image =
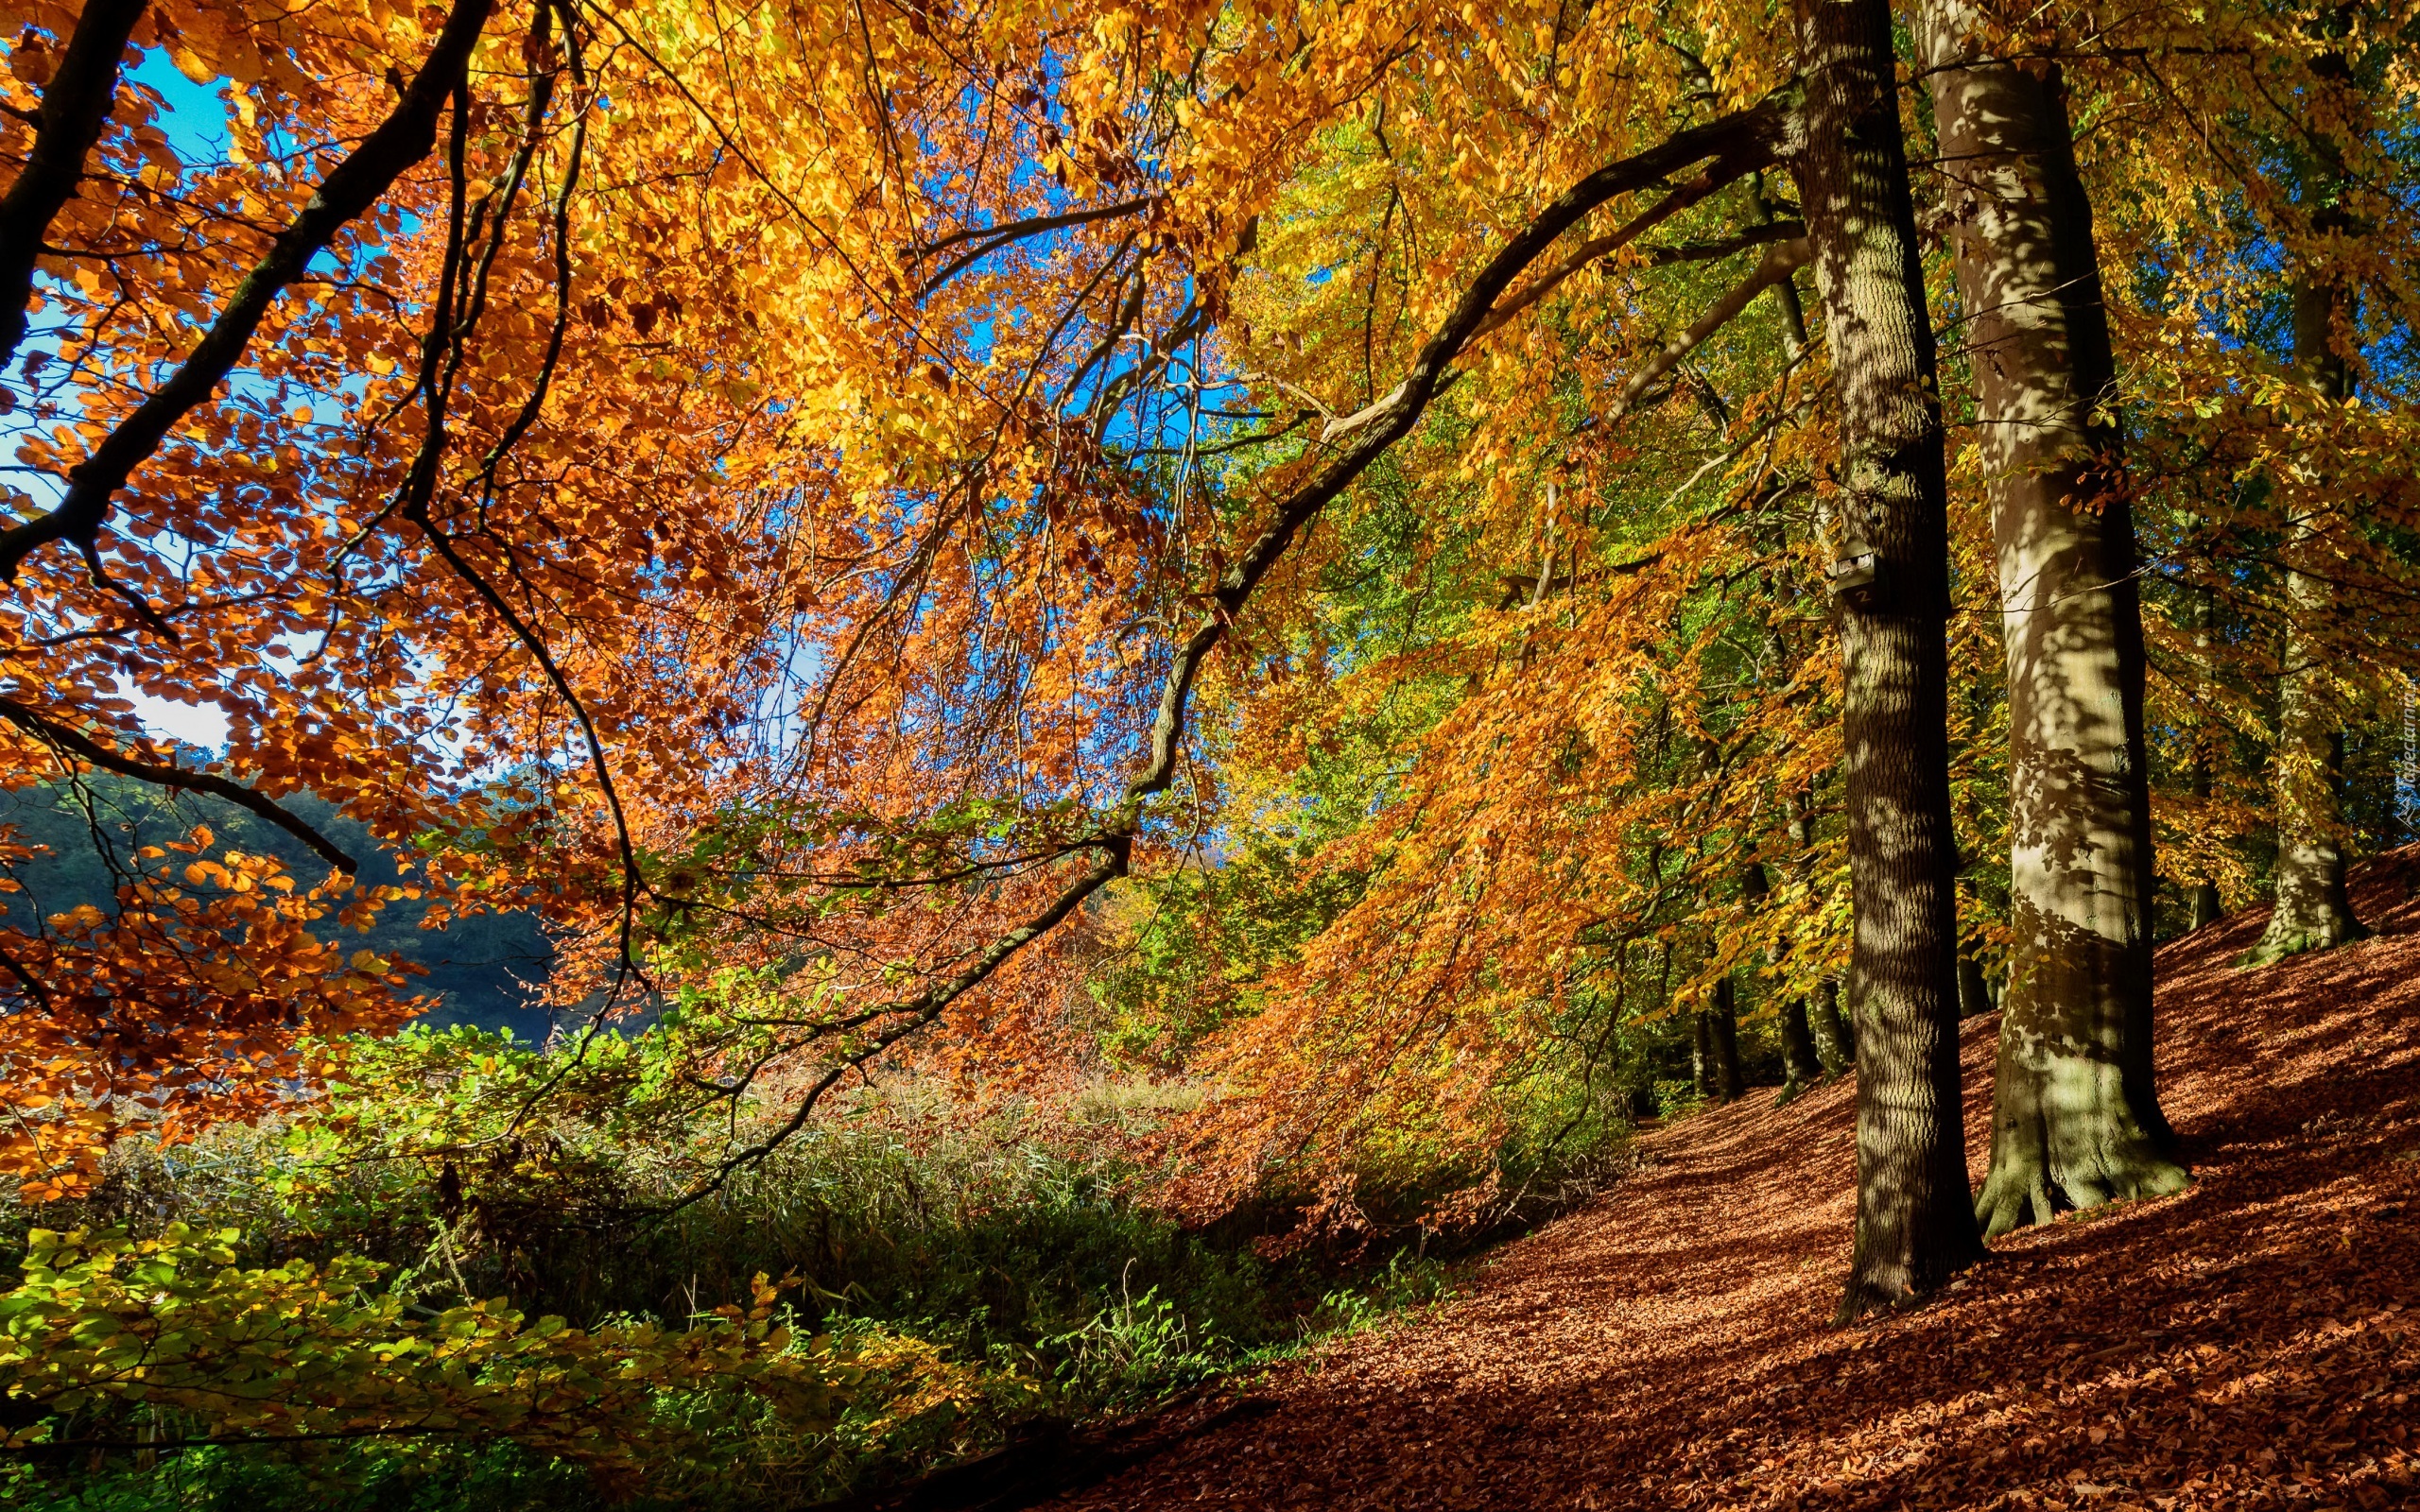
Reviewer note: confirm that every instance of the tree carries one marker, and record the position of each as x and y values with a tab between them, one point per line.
2075	1120
1914	1227
2312	910
1717	1030
2254	485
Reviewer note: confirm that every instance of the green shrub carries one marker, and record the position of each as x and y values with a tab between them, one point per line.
979	1265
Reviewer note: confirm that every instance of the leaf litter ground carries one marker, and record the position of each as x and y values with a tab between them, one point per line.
2253	1342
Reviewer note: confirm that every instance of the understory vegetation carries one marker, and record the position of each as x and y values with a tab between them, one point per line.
945	1271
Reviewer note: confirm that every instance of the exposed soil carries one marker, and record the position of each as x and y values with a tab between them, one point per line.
2251	1342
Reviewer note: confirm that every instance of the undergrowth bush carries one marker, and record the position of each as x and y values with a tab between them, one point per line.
918	1275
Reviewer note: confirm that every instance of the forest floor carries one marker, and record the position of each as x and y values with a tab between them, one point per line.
2253	1342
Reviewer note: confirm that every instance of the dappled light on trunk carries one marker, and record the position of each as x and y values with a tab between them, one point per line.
2078	1121
1913	1228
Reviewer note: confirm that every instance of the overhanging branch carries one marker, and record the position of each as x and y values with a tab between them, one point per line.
75	105
352	187
1748	139
69	741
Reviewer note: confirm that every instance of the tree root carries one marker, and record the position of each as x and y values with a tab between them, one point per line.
2275	947
2022	1193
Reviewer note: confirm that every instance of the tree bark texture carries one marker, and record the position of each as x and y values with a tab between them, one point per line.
1835	1043
1722	1037
2075	1118
1916	1228
2314	911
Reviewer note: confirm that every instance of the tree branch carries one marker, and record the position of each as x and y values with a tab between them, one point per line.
352	187
75	105
989	239
1779	262
1742	159
1747	138
86	750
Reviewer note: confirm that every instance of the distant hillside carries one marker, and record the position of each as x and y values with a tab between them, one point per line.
485	968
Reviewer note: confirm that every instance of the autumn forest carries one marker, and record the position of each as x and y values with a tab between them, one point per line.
995	753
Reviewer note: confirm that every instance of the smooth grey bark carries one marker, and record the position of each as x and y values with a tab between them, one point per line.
2075	1116
1914	1227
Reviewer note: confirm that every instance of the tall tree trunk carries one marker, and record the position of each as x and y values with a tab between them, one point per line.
1723	1027
2202	905
1701	1053
2314	911
1800	1067
1974	992
1835	1042
1914	1227
1800	1070
2201	902
2075	1118
1828	1042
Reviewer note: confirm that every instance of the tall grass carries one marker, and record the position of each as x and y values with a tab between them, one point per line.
1010	1235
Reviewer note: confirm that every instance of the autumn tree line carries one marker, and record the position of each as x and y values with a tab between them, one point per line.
863	517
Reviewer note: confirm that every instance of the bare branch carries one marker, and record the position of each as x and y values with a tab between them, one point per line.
989	239
1724	169
1779	262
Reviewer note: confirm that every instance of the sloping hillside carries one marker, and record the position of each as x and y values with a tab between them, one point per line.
2253	1342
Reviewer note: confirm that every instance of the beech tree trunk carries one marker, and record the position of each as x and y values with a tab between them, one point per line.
1800	1070
2075	1118
1800	1066
1914	1228
2202	903
1722	1037
1974	993
1701	1053
1835	1043
2314	911
1828	1039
